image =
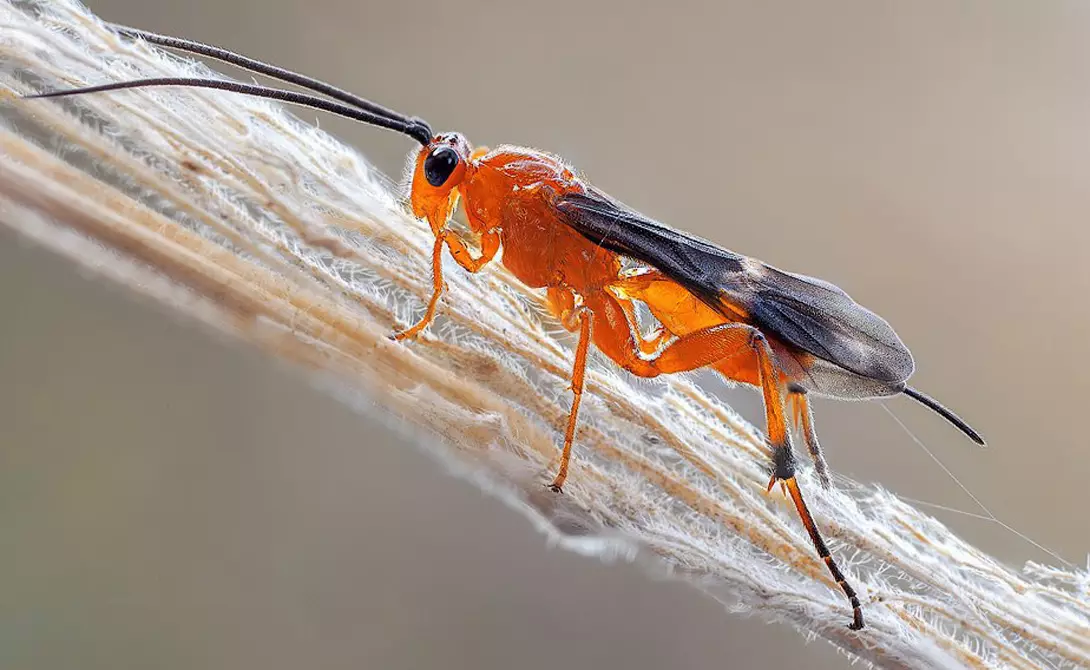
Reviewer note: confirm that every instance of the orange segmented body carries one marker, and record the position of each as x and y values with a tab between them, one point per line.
788	335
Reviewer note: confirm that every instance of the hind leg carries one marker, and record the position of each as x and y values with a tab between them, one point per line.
804	420
708	346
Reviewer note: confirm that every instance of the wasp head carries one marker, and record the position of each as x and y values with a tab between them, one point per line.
441	167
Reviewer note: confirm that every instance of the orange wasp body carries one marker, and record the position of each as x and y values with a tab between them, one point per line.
510	198
785	334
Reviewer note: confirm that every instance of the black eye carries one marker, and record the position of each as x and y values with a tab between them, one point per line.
439	164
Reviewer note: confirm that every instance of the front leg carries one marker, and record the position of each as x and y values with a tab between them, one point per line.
490	245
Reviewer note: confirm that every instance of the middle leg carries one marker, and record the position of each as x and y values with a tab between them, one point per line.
578	371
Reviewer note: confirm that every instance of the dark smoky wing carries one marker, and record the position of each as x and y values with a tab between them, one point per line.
823	320
696	264
810	314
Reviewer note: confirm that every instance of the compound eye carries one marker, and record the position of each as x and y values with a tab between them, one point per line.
439	165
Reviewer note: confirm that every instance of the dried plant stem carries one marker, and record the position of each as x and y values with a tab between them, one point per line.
229	211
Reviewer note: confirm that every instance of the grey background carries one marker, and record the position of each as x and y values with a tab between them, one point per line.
170	500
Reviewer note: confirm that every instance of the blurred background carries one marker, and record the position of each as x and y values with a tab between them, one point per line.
172	500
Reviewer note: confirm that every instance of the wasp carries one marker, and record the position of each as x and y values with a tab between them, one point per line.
789	335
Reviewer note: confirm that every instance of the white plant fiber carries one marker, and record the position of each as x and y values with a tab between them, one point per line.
228	209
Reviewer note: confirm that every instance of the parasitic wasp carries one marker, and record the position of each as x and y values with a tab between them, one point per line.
786	334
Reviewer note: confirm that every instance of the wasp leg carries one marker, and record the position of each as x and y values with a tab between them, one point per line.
561	301
714	345
578	371
437	290
804	419
823	551
647	346
490	244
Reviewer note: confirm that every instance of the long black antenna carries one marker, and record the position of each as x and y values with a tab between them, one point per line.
260	67
938	408
357	108
419	131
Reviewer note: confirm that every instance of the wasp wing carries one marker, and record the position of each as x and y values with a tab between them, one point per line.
809	314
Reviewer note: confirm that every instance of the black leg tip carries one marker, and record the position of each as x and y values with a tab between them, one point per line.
554	488
783	461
